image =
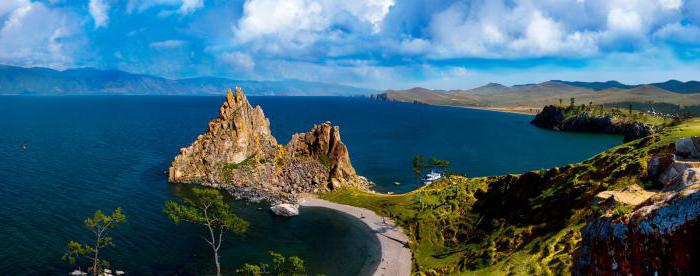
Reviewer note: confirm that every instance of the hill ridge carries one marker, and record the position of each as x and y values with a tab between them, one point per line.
16	80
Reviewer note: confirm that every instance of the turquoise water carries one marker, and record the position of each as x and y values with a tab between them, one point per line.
88	153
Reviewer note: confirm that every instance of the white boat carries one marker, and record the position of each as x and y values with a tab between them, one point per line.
431	177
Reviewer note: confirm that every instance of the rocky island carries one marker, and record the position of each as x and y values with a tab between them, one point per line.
239	154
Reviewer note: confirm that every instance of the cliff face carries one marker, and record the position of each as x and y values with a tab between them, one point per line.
238	153
659	236
554	118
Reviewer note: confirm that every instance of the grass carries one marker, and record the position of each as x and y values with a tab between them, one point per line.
246	164
617	114
514	224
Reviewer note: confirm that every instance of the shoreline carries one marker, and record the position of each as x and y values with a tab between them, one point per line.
523	111
396	258
504	109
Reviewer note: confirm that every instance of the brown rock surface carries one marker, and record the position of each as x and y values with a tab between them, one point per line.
238	153
660	234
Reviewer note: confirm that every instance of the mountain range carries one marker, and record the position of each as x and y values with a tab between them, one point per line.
671	93
89	81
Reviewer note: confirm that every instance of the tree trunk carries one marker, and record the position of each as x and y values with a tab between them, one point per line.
216	262
94	263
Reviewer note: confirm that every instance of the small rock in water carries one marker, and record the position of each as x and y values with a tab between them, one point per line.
285	209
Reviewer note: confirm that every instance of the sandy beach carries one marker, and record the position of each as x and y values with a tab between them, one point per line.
395	255
525	110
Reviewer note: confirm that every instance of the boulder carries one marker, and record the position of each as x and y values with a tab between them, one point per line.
285	209
657	164
632	195
688	147
690	177
679	174
634	131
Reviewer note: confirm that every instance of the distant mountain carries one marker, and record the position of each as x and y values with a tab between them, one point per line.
689	87
90	81
673	93
679	86
596	85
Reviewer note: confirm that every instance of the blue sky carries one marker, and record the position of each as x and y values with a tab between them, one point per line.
379	44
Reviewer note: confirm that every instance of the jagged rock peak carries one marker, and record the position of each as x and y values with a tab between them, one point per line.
238	153
239	133
323	142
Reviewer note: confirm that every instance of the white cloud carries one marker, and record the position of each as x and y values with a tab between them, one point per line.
547	28
239	61
34	35
189	6
183	7
677	32
99	10
671	4
628	21
7	6
277	27
167	44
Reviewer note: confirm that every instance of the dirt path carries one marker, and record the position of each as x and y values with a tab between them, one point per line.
396	256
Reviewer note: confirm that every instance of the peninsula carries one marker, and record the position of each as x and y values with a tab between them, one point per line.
635	203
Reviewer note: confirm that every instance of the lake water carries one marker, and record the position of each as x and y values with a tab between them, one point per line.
89	153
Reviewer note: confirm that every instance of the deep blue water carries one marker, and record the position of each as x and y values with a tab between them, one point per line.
89	153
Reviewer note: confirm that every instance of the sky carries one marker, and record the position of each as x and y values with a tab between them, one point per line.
381	44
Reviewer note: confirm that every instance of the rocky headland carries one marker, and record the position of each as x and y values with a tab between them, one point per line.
633	209
579	119
239	154
658	235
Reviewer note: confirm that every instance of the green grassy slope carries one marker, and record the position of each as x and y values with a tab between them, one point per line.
520	224
617	115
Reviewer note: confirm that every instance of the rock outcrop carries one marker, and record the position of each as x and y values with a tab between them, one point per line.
554	118
660	234
238	153
285	209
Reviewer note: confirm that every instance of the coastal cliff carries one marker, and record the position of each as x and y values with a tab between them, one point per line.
583	119
239	154
633	209
659	233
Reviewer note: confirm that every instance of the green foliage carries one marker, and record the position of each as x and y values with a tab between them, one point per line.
621	210
418	164
281	265
296	265
207	208
616	115
99	224
75	251
527	224
248	165
325	161
249	270
443	164
277	261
